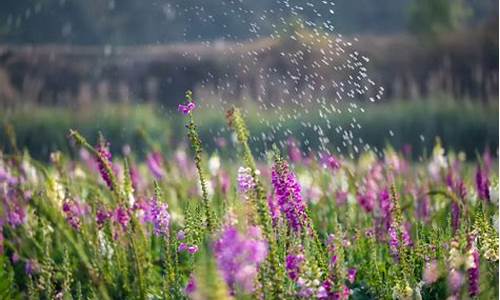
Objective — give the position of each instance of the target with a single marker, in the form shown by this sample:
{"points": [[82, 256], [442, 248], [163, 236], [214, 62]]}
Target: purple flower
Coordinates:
{"points": [[351, 275], [293, 264], [156, 213], [31, 267], [245, 180], [239, 256], [101, 217], [15, 257], [122, 216], [455, 217], [288, 193], [155, 164], [187, 108], [105, 157], [455, 280], [330, 161], [16, 214], [482, 184], [224, 182], [366, 201], [73, 211], [191, 285], [473, 272], [273, 208], [341, 197], [182, 247], [293, 150], [135, 177], [393, 242], [181, 235], [192, 249], [431, 272]]}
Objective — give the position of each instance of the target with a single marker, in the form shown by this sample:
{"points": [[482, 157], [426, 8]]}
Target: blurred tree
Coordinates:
{"points": [[431, 17]]}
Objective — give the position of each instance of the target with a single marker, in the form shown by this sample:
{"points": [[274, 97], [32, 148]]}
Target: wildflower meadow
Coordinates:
{"points": [[102, 225]]}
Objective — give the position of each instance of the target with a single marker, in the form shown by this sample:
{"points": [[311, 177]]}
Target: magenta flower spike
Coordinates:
{"points": [[187, 108]]}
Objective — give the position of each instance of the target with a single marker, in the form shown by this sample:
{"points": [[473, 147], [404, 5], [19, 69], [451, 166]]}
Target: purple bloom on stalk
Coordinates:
{"points": [[393, 242], [104, 157], [157, 214], [455, 280], [288, 193], [330, 161], [73, 211], [431, 272], [293, 150], [101, 217], [191, 285], [224, 182], [192, 249], [273, 209], [182, 247], [16, 215], [155, 164], [181, 235], [455, 217], [31, 267], [1, 238], [351, 275], [239, 256], [245, 180], [135, 177], [187, 108], [293, 265], [122, 216], [482, 184], [366, 201], [473, 272]]}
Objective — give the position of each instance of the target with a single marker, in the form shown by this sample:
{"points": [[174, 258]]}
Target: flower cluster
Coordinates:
{"points": [[246, 182], [288, 193], [105, 157], [239, 257]]}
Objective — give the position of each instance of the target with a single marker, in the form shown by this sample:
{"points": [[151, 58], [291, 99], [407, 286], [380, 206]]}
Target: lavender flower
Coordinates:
{"points": [[431, 272], [192, 249], [31, 267], [105, 157], [191, 286], [182, 247], [181, 235], [473, 272], [293, 265], [455, 217], [482, 184], [289, 196], [122, 216], [155, 164], [73, 211], [239, 256], [157, 214], [455, 280], [330, 161], [102, 216], [187, 108], [351, 275], [273, 209], [245, 180], [293, 150]]}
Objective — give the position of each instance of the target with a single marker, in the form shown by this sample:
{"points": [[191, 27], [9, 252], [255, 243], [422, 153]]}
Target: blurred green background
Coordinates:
{"points": [[121, 68]]}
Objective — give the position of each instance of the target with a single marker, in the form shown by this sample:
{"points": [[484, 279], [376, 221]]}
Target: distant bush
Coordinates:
{"points": [[462, 126]]}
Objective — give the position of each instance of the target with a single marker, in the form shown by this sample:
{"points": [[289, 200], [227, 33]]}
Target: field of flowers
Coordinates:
{"points": [[103, 226]]}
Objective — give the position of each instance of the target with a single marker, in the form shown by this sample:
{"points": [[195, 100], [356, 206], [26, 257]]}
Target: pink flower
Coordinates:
{"points": [[187, 108]]}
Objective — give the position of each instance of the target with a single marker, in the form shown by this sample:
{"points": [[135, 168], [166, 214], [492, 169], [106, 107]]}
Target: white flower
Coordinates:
{"points": [[214, 164]]}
